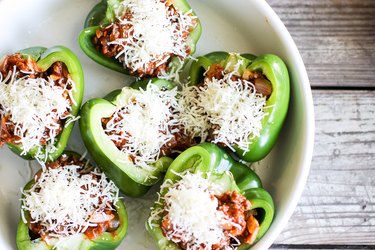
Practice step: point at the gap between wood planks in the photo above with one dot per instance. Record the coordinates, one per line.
(327, 247)
(341, 88)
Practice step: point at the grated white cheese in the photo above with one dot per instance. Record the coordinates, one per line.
(34, 105)
(66, 203)
(191, 207)
(155, 32)
(231, 108)
(146, 121)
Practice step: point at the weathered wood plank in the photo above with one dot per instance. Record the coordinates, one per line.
(338, 204)
(336, 39)
(322, 247)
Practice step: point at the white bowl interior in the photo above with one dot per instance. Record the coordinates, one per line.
(246, 26)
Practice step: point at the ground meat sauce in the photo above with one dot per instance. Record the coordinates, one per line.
(26, 65)
(37, 230)
(179, 142)
(58, 72)
(261, 84)
(236, 209)
(105, 36)
(117, 30)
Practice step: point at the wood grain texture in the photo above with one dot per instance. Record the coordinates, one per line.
(338, 204)
(336, 39)
(322, 247)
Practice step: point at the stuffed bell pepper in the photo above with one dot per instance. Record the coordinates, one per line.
(71, 205)
(144, 38)
(237, 101)
(40, 96)
(131, 132)
(209, 201)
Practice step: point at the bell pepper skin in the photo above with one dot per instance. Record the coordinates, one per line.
(103, 14)
(106, 241)
(131, 179)
(210, 160)
(277, 73)
(45, 58)
(97, 14)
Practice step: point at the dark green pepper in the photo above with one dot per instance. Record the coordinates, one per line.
(107, 240)
(44, 58)
(131, 179)
(214, 163)
(103, 14)
(276, 72)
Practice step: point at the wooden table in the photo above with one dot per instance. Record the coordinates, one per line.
(337, 41)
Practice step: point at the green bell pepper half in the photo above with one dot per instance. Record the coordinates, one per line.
(132, 180)
(107, 241)
(277, 103)
(103, 14)
(212, 161)
(44, 58)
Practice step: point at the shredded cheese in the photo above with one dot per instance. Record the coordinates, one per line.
(155, 32)
(229, 108)
(191, 207)
(35, 106)
(145, 122)
(64, 202)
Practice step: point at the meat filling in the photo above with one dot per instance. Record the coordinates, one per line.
(262, 85)
(112, 39)
(260, 82)
(179, 142)
(239, 223)
(26, 67)
(103, 41)
(146, 125)
(111, 224)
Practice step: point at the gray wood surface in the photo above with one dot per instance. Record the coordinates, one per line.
(338, 204)
(336, 39)
(337, 42)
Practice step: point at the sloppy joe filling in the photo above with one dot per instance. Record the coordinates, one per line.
(234, 208)
(195, 216)
(226, 108)
(146, 35)
(68, 198)
(146, 125)
(34, 105)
